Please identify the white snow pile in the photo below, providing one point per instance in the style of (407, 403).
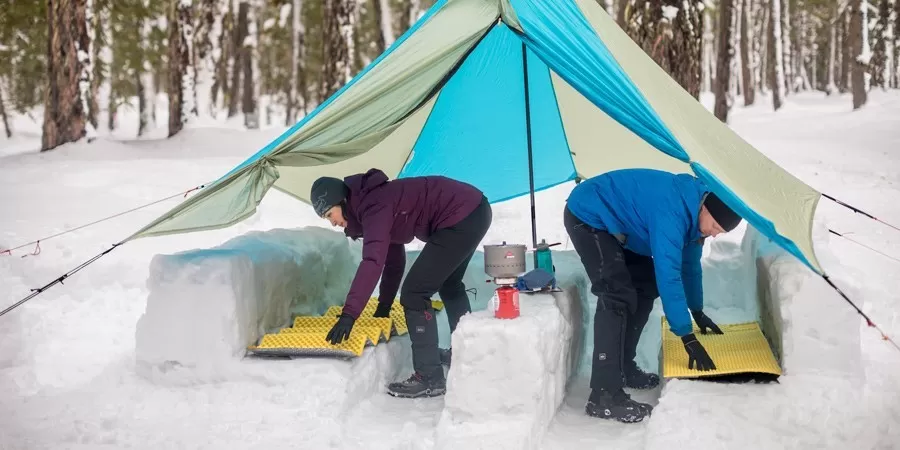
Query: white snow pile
(508, 377)
(205, 306)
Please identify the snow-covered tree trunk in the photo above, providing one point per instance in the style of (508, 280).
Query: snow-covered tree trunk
(865, 53)
(761, 45)
(803, 49)
(146, 88)
(890, 47)
(65, 108)
(858, 36)
(3, 96)
(787, 59)
(250, 62)
(830, 86)
(86, 55)
(296, 96)
(896, 40)
(777, 51)
(748, 82)
(235, 67)
(844, 32)
(385, 17)
(413, 12)
(339, 48)
(100, 55)
(879, 65)
(221, 55)
(204, 58)
(723, 65)
(182, 93)
(708, 56)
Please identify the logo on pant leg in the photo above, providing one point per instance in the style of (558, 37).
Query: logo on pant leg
(602, 357)
(420, 329)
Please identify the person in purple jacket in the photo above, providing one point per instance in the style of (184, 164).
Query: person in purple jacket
(451, 217)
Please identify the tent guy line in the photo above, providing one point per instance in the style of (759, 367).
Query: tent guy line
(859, 211)
(8, 251)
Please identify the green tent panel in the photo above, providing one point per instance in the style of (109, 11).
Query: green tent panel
(450, 97)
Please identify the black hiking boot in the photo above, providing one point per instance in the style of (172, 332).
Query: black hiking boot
(428, 379)
(419, 385)
(635, 378)
(616, 405)
(445, 356)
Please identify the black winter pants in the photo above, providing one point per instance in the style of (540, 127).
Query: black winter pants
(440, 268)
(625, 285)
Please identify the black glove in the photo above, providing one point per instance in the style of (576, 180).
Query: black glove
(341, 330)
(704, 323)
(697, 354)
(383, 309)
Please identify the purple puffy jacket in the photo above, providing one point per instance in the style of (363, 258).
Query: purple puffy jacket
(387, 215)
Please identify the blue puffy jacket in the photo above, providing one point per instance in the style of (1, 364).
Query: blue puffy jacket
(657, 212)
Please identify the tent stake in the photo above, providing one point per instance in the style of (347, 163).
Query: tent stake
(530, 158)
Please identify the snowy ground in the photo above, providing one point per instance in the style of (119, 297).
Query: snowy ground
(68, 377)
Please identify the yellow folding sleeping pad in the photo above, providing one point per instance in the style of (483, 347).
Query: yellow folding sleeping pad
(307, 335)
(742, 349)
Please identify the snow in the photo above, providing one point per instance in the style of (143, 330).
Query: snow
(669, 12)
(206, 306)
(70, 374)
(510, 375)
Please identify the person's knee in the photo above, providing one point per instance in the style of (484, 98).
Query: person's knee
(414, 297)
(453, 290)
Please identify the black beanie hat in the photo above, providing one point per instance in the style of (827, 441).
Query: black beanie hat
(327, 192)
(727, 218)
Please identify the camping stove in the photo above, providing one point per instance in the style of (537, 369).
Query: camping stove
(505, 263)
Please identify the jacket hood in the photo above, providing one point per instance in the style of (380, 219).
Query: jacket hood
(363, 183)
(359, 186)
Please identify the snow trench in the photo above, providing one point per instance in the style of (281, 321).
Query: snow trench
(509, 378)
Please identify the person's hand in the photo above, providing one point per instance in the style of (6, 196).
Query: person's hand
(697, 354)
(383, 309)
(705, 323)
(341, 330)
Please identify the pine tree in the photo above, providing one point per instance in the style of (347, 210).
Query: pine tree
(830, 86)
(859, 44)
(723, 65)
(338, 45)
(749, 81)
(297, 93)
(896, 35)
(786, 47)
(762, 31)
(6, 127)
(385, 18)
(879, 66)
(671, 32)
(65, 108)
(240, 32)
(182, 94)
(249, 91)
(777, 58)
(846, 58)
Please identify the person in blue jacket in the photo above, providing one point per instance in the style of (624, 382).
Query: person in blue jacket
(639, 234)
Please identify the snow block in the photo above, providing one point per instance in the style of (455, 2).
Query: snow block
(508, 377)
(205, 306)
(812, 330)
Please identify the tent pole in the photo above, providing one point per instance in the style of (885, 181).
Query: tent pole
(530, 158)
